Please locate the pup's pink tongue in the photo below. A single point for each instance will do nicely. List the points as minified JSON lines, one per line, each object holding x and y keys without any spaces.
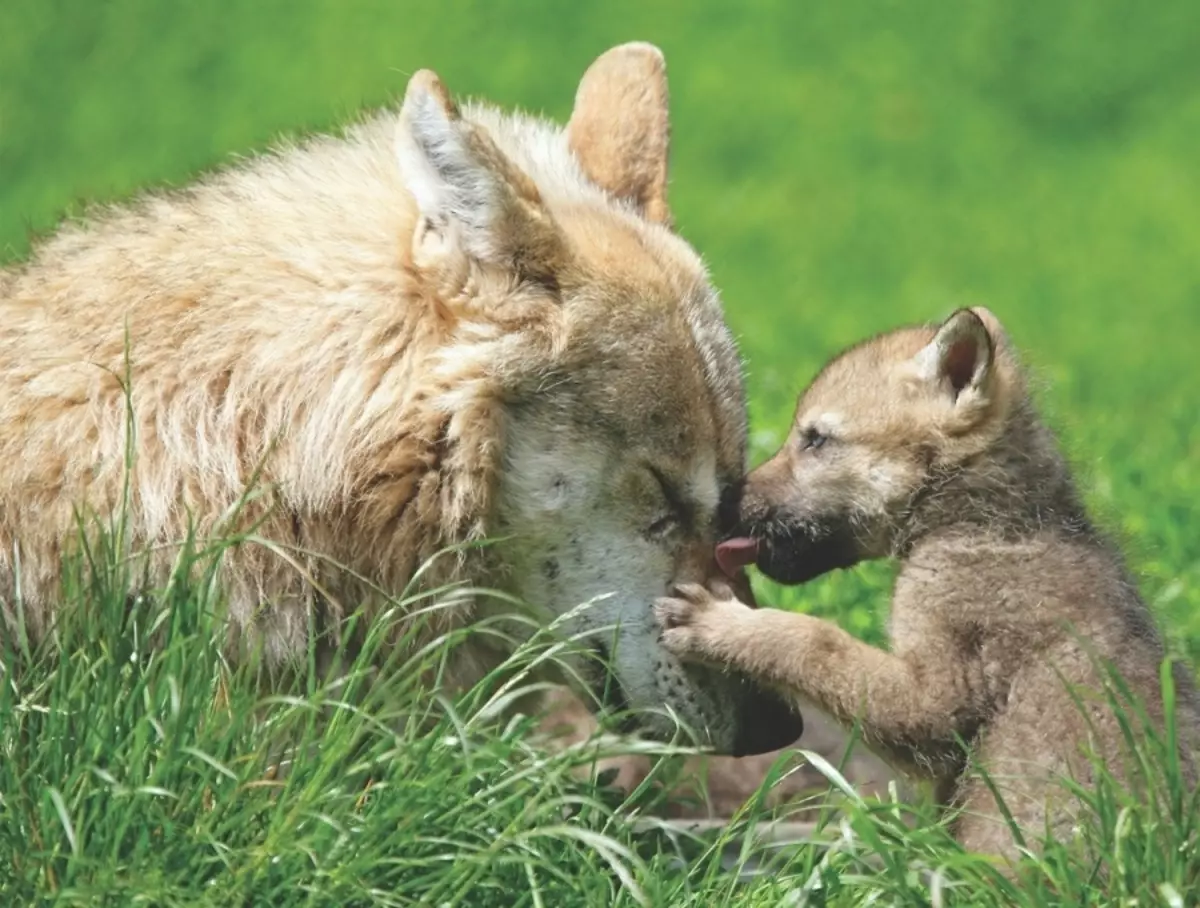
{"x":735,"y":554}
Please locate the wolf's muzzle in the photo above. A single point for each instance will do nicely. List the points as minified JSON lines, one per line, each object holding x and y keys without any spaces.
{"x":609,"y":693}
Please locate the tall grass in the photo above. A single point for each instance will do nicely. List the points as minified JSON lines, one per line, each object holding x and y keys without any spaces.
{"x":138,"y":765}
{"x":138,"y":762}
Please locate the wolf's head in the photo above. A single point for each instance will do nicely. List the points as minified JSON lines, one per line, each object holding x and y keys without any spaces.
{"x":588,"y":369}
{"x":884,"y":428}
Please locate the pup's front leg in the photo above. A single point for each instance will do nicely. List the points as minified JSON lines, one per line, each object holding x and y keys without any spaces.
{"x":712,"y":626}
{"x":907,"y":707}
{"x":702,"y":626}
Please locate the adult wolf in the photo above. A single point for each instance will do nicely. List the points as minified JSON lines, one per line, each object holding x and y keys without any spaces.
{"x":442,"y":326}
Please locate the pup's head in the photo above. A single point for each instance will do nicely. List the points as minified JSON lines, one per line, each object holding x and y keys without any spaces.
{"x":879,"y":425}
{"x":595,"y":389}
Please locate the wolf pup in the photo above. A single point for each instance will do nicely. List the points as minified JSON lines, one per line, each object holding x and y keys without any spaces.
{"x":448,"y":323}
{"x":923,"y":444}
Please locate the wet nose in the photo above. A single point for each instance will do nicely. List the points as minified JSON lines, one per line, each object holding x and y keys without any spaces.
{"x":765,"y":722}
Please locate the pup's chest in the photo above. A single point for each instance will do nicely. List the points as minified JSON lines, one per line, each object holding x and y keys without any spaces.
{"x":956,"y":623}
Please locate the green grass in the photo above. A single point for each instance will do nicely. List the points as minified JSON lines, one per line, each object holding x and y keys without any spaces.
{"x":139,"y":766}
{"x":844,"y":167}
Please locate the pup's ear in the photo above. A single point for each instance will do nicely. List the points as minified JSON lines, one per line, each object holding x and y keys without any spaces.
{"x":619,"y":129}
{"x":471,"y":198}
{"x":959,"y":358}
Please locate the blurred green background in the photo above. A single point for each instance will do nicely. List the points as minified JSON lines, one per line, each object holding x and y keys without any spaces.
{"x":843,"y":167}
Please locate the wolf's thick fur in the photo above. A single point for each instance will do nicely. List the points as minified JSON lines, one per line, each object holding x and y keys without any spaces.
{"x":442,"y":326}
{"x":923,"y":444}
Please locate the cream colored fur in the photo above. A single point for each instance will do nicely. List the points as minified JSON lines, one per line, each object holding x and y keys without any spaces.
{"x":441,"y":326}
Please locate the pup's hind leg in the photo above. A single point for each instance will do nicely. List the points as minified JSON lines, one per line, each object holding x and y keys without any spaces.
{"x":980,"y":827}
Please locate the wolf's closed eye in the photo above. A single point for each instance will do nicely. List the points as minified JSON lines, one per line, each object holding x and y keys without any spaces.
{"x":676,"y":511}
{"x":662,"y":526}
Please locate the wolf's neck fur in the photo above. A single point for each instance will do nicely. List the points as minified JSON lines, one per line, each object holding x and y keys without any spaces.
{"x":1019,"y":487}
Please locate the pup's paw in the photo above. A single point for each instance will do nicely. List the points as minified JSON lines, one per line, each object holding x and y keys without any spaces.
{"x":694,"y":620}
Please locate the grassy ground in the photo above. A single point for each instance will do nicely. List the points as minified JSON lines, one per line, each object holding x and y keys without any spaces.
{"x":140,"y":768}
{"x":844,"y":167}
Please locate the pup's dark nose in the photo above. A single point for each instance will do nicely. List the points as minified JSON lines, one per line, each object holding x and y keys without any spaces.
{"x":766,"y":722}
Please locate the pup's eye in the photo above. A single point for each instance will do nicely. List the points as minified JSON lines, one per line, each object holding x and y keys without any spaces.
{"x":811,"y":440}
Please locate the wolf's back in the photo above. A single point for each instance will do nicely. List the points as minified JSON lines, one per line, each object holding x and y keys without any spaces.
{"x":252,"y":326}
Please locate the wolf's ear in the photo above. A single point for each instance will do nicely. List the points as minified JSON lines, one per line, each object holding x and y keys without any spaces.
{"x":470,"y":197}
{"x":959,"y":358}
{"x":619,"y":129}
